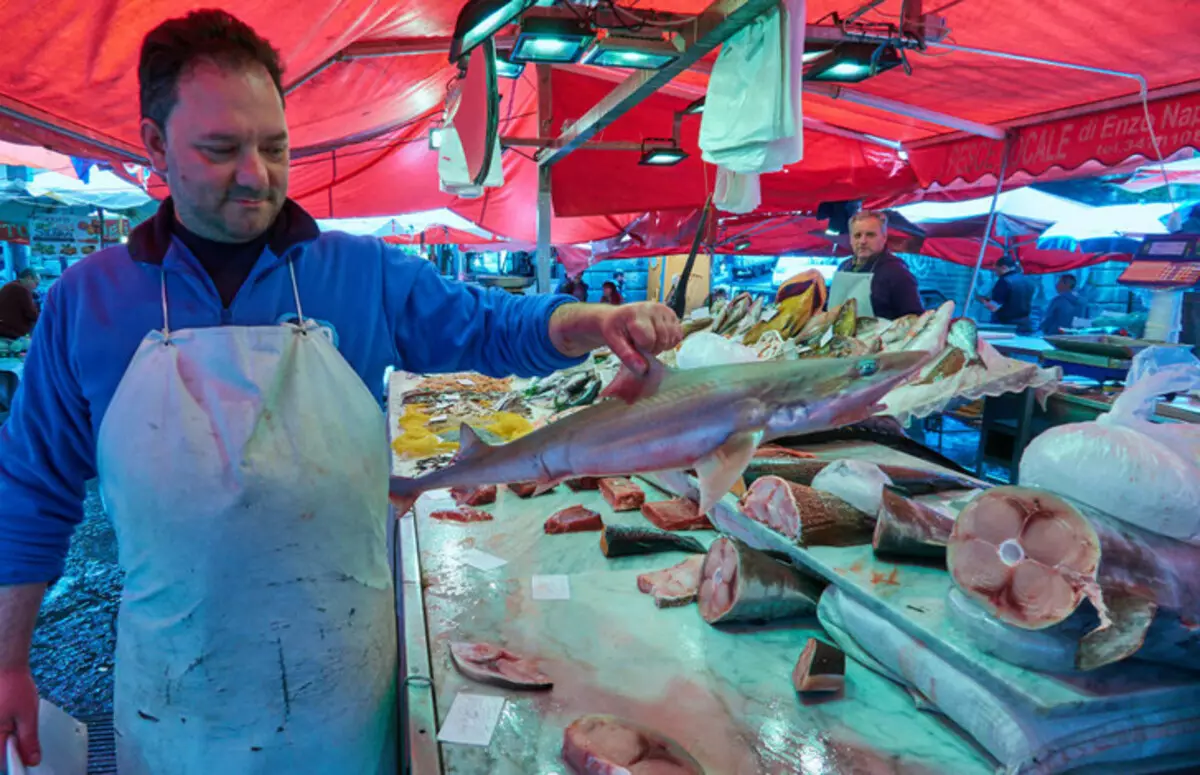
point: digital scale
(1165, 261)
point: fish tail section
(403, 493)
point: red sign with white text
(1110, 137)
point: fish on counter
(731, 314)
(856, 482)
(581, 483)
(913, 481)
(573, 519)
(461, 514)
(909, 528)
(482, 495)
(962, 351)
(626, 540)
(580, 390)
(776, 451)
(741, 584)
(711, 419)
(1030, 557)
(787, 321)
(524, 489)
(807, 516)
(607, 745)
(674, 586)
(489, 664)
(676, 514)
(621, 494)
(821, 668)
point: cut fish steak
(821, 668)
(677, 585)
(583, 483)
(622, 494)
(624, 540)
(474, 496)
(676, 514)
(573, 519)
(526, 489)
(494, 665)
(607, 745)
(462, 514)
(908, 528)
(741, 584)
(806, 515)
(914, 481)
(1030, 557)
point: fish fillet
(474, 496)
(606, 745)
(573, 519)
(908, 528)
(803, 514)
(740, 584)
(494, 665)
(462, 514)
(622, 494)
(676, 514)
(677, 585)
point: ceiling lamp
(507, 69)
(613, 49)
(742, 245)
(435, 138)
(479, 20)
(667, 154)
(852, 63)
(551, 39)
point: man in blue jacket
(212, 373)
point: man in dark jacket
(1011, 301)
(18, 309)
(1064, 307)
(874, 275)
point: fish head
(834, 392)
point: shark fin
(403, 493)
(469, 443)
(631, 387)
(720, 471)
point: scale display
(1165, 261)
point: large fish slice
(741, 584)
(607, 745)
(710, 419)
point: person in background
(1063, 308)
(18, 305)
(1011, 302)
(574, 285)
(214, 375)
(610, 294)
(881, 282)
(718, 296)
(619, 279)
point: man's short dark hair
(1007, 261)
(28, 274)
(1069, 280)
(172, 48)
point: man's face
(1061, 286)
(867, 238)
(32, 283)
(225, 151)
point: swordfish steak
(710, 419)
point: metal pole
(100, 212)
(987, 234)
(545, 207)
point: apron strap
(167, 318)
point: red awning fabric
(964, 251)
(74, 66)
(440, 235)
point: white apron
(848, 285)
(245, 469)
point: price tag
(472, 719)
(482, 560)
(551, 588)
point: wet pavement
(73, 645)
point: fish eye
(868, 367)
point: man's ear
(154, 138)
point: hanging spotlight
(852, 63)
(612, 49)
(507, 69)
(665, 155)
(479, 20)
(551, 39)
(435, 138)
(695, 109)
(741, 245)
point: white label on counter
(470, 382)
(482, 560)
(551, 588)
(472, 719)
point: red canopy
(439, 235)
(73, 65)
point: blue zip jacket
(385, 308)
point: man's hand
(19, 713)
(628, 330)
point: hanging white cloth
(245, 469)
(848, 285)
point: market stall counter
(724, 694)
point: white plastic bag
(708, 349)
(736, 192)
(1143, 473)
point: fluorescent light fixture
(435, 138)
(665, 155)
(551, 39)
(852, 63)
(506, 69)
(481, 19)
(903, 154)
(616, 50)
(743, 244)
